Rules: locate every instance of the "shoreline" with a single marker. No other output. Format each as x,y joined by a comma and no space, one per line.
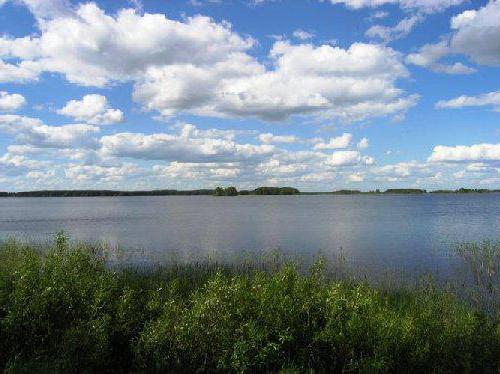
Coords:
209,192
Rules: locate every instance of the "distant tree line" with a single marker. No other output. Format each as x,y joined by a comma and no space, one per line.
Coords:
405,191
412,191
467,190
228,191
276,191
232,191
90,193
219,191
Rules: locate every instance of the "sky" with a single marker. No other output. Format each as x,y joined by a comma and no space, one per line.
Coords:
317,94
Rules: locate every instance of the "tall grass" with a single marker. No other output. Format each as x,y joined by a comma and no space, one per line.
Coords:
62,309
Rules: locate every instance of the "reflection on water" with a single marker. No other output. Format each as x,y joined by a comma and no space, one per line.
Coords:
405,232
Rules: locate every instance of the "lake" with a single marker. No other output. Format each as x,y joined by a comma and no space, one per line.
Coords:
401,231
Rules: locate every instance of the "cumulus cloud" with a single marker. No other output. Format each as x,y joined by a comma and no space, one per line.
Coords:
269,138
186,146
400,30
198,171
15,165
10,102
426,6
302,34
203,67
83,173
92,48
22,72
351,84
463,19
92,109
475,34
343,158
488,99
363,143
403,170
356,177
33,132
342,141
429,56
463,153
208,69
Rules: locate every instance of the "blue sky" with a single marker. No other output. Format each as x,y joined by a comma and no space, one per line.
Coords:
321,95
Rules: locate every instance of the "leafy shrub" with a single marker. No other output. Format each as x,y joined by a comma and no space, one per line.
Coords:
63,310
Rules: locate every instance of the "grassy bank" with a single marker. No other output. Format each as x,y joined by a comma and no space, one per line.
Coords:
63,310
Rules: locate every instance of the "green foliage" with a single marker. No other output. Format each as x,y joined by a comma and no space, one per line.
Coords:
405,191
346,192
276,191
63,310
472,190
60,306
229,191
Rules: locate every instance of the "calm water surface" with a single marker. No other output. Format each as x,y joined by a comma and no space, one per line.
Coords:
408,231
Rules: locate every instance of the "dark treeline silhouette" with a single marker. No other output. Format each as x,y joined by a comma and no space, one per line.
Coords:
347,192
86,193
276,191
219,191
232,191
409,191
405,190
229,191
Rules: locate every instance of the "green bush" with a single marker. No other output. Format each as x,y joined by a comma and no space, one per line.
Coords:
60,305
63,310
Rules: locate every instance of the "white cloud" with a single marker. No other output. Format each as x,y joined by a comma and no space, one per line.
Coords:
10,102
462,153
401,169
350,84
92,109
198,171
357,177
276,167
82,173
426,6
14,165
48,9
343,158
475,34
303,35
339,142
19,73
429,55
463,19
411,174
379,15
32,131
363,143
269,138
92,48
400,30
187,146
208,69
487,99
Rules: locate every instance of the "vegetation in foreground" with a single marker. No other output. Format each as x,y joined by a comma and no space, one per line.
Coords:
63,310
